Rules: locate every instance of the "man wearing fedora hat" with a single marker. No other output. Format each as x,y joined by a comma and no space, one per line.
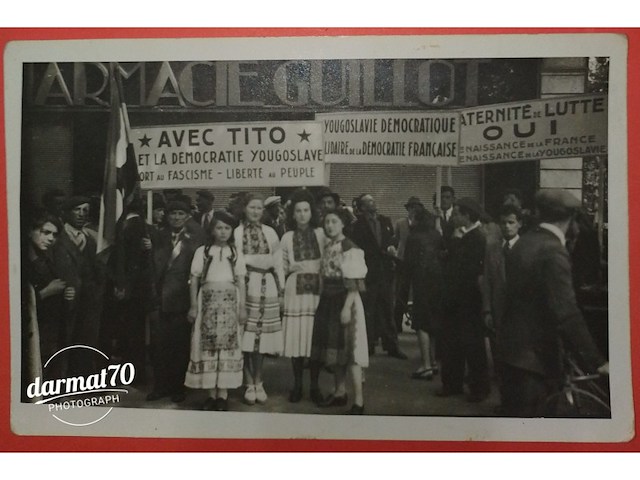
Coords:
542,319
463,331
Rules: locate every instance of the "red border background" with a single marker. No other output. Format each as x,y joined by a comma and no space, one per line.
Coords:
10,442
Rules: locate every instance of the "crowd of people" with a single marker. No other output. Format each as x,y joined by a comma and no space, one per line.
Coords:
314,280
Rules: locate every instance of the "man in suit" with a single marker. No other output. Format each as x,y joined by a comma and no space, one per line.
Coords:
542,317
444,212
463,332
373,233
171,331
401,233
131,270
204,202
494,278
76,263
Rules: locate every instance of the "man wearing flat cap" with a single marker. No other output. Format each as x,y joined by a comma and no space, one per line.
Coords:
172,255
274,214
75,261
542,318
463,331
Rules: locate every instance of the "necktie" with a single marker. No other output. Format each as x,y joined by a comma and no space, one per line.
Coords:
506,249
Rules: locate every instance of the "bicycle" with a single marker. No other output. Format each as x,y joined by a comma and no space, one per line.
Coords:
582,395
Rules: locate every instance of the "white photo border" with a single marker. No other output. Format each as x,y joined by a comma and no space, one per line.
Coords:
28,419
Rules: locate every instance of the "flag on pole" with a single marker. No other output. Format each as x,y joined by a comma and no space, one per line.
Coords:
121,181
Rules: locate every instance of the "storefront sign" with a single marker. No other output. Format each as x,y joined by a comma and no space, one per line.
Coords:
229,155
539,129
365,83
391,137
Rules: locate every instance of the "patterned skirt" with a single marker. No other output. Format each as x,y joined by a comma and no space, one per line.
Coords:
263,330
216,359
333,343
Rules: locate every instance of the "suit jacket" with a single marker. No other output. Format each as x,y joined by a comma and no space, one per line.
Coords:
541,308
172,275
130,264
86,272
78,268
463,269
494,294
380,264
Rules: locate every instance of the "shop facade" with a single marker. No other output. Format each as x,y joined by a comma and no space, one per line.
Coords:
66,112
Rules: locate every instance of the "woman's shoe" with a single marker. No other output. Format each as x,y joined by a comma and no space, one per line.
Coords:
423,374
356,410
335,401
261,395
250,395
295,395
221,405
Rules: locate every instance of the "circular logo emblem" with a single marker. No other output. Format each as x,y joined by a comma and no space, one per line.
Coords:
78,383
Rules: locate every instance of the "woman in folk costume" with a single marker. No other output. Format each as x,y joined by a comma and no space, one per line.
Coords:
217,313
260,246
302,248
340,331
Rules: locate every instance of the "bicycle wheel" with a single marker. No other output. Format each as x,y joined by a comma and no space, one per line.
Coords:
576,403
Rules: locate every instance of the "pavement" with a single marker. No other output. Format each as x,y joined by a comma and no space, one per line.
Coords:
388,390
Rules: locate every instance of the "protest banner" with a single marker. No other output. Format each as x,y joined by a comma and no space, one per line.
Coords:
534,130
229,155
391,137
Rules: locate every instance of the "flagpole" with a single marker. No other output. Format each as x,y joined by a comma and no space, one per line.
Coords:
438,195
150,207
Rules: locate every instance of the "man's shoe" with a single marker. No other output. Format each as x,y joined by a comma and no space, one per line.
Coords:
178,397
397,354
477,397
445,392
356,410
155,396
295,395
316,396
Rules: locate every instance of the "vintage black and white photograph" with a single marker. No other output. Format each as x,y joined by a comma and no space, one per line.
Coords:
324,237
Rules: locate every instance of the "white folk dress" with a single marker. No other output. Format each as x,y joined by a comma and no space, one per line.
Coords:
216,358
302,249
260,246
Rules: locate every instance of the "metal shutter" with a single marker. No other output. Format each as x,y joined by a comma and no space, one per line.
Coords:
392,185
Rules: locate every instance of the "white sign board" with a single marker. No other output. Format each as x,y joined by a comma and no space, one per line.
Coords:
221,155
534,130
391,137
